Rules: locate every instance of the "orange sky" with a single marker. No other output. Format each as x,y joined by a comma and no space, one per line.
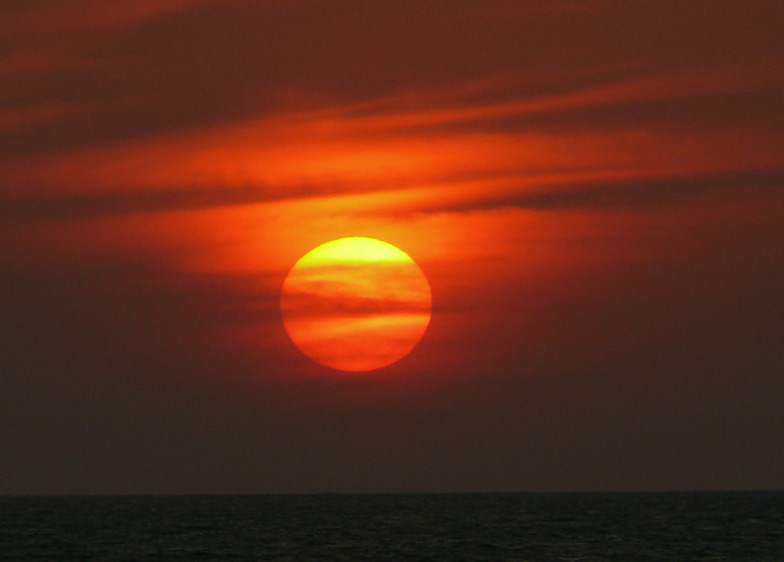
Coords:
592,188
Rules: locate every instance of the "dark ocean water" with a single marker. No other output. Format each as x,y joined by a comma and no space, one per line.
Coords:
546,527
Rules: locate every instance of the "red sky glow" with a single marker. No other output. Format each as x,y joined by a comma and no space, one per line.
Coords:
594,190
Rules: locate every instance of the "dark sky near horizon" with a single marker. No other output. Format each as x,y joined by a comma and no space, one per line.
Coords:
593,188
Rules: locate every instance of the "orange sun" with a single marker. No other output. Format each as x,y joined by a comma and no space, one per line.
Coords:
355,304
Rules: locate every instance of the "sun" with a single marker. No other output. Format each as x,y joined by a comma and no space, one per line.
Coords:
356,304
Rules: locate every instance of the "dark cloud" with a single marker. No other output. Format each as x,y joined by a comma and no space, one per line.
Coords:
109,202
593,195
622,194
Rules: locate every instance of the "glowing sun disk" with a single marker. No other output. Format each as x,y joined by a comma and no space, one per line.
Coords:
356,304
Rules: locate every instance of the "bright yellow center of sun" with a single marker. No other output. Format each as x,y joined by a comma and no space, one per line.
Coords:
355,304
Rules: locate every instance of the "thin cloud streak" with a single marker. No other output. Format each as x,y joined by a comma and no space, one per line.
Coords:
621,89
107,202
653,192
606,194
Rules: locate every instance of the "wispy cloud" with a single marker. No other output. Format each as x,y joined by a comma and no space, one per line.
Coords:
112,202
552,195
135,72
634,193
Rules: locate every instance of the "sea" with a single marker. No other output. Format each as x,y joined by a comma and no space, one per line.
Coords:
333,527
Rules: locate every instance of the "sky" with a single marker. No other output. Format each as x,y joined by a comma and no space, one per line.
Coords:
594,190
